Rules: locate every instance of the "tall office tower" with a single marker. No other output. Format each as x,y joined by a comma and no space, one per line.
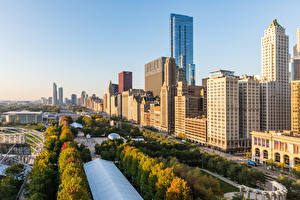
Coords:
74,99
154,75
85,100
104,102
295,62
297,46
60,96
125,81
249,108
275,87
295,69
54,97
167,93
187,105
223,110
50,100
82,99
181,30
119,105
112,90
295,105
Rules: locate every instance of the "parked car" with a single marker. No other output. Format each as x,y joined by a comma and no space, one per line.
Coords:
252,163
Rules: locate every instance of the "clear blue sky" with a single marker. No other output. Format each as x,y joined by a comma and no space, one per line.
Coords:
81,45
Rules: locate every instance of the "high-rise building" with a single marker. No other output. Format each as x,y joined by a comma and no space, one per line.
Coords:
82,98
297,46
295,69
249,108
295,62
125,81
74,99
181,31
223,110
112,90
54,96
187,105
275,87
154,75
119,105
60,96
196,129
104,102
167,94
295,106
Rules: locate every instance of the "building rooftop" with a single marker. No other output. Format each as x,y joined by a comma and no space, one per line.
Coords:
23,112
220,73
287,133
107,182
275,24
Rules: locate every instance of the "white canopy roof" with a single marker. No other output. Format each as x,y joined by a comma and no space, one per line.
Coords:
107,182
76,125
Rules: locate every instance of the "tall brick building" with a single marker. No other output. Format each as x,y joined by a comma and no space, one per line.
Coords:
125,81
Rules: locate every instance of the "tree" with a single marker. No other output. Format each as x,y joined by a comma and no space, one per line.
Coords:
164,179
66,120
73,190
85,153
66,134
11,183
178,190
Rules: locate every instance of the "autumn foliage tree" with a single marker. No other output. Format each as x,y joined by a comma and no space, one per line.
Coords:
149,175
73,183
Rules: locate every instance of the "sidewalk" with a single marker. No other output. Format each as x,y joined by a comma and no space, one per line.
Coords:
222,178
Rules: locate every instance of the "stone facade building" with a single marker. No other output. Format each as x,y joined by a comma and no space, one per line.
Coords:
295,106
281,147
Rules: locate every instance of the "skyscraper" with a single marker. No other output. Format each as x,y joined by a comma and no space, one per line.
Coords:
187,104
223,110
275,87
74,99
60,96
154,75
181,30
112,90
295,105
249,108
125,81
82,98
167,94
297,46
54,96
295,62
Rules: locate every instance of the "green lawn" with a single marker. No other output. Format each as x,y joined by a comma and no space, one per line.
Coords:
224,186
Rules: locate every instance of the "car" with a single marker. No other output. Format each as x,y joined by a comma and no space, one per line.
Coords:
252,163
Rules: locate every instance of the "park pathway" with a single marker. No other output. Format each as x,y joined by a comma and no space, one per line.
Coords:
222,178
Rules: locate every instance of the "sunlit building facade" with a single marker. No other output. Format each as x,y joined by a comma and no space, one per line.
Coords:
181,30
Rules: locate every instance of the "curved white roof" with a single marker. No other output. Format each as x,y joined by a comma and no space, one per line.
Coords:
114,136
76,125
107,182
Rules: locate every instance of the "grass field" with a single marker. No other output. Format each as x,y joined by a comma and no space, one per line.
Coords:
224,186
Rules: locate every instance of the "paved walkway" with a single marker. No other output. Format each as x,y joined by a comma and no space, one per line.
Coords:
89,142
222,178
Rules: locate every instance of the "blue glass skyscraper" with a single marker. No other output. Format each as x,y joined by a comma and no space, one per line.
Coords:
181,29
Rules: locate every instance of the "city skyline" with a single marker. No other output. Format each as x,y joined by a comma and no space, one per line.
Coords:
40,48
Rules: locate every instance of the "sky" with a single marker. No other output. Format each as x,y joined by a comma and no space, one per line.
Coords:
82,45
